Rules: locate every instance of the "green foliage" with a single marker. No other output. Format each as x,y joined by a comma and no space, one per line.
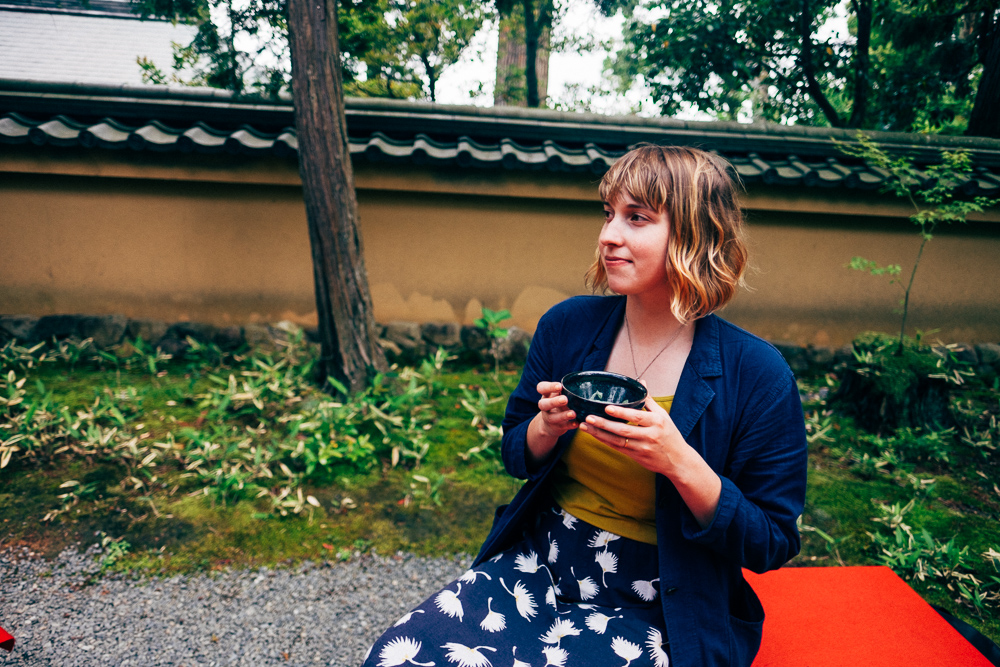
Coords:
389,48
771,60
912,388
926,559
891,384
478,404
114,550
262,428
490,322
916,445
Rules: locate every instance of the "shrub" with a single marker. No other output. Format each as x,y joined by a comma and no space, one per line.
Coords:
886,390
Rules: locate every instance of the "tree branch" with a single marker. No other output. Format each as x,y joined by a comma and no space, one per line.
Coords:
808,71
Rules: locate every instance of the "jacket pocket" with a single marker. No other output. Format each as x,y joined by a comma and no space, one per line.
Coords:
746,624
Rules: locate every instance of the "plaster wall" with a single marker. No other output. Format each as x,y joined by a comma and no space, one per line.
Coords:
441,245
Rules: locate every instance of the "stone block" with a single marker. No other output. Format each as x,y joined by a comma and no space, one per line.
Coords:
989,353
106,330
150,331
18,327
390,348
442,334
284,331
819,356
229,338
966,354
406,335
199,331
844,355
513,349
795,355
257,335
175,347
474,339
58,327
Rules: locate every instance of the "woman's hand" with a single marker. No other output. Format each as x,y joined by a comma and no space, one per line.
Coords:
553,419
554,414
652,440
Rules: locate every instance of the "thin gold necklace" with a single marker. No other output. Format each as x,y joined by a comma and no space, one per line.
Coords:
628,333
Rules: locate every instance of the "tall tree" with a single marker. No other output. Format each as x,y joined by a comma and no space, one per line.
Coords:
525,45
525,28
346,320
908,65
510,88
985,118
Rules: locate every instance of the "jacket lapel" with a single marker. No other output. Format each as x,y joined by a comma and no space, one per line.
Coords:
693,393
600,349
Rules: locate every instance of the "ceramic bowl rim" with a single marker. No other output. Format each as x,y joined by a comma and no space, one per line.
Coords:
629,380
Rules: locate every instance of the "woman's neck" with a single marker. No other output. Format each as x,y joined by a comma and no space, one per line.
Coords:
650,317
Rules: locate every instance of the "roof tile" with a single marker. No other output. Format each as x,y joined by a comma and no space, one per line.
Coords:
774,169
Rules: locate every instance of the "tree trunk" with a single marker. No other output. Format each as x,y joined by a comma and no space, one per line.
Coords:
343,303
530,52
984,121
510,88
862,62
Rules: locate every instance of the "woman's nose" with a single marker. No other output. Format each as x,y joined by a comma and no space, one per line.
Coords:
611,232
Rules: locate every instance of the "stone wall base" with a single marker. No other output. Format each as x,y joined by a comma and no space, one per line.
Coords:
402,341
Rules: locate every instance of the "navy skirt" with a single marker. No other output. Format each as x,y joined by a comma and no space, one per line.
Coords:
567,594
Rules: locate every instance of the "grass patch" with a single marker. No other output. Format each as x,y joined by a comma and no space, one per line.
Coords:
237,460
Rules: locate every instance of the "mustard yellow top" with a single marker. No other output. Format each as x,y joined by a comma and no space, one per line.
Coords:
607,489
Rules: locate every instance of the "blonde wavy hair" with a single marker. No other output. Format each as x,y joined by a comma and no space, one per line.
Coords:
706,251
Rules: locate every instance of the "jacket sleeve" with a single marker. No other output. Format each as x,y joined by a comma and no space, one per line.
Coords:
755,523
522,405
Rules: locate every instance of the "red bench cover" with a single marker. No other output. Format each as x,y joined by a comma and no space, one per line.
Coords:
853,616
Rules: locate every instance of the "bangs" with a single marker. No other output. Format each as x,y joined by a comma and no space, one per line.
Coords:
640,175
706,252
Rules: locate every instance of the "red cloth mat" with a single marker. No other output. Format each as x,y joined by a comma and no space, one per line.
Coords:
6,641
853,616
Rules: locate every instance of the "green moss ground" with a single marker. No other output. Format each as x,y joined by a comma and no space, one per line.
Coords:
383,508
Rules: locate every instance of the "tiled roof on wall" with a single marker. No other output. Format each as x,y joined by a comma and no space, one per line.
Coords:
418,133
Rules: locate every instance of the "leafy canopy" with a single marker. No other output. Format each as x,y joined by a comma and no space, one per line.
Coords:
389,48
905,65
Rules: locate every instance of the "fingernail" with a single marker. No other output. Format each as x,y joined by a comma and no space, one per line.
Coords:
583,427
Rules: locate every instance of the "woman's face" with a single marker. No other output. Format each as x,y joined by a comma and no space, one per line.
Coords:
633,245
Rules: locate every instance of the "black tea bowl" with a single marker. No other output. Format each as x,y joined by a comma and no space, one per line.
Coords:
589,392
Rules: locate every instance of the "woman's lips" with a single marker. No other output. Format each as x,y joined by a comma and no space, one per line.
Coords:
615,261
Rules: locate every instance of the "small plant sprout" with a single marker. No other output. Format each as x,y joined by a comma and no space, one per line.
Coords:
935,193
490,324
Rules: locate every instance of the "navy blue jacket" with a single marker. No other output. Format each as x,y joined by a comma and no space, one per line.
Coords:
738,405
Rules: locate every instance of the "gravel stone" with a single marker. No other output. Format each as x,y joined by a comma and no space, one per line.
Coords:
62,612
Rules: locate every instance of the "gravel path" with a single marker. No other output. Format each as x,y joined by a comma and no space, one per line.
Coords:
326,614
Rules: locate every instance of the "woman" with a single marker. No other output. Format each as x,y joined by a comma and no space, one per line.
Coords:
627,541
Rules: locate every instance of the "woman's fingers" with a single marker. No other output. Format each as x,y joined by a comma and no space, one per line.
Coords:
553,403
614,428
595,427
637,417
548,388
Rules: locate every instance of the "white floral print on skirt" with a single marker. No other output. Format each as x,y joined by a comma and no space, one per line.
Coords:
567,594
